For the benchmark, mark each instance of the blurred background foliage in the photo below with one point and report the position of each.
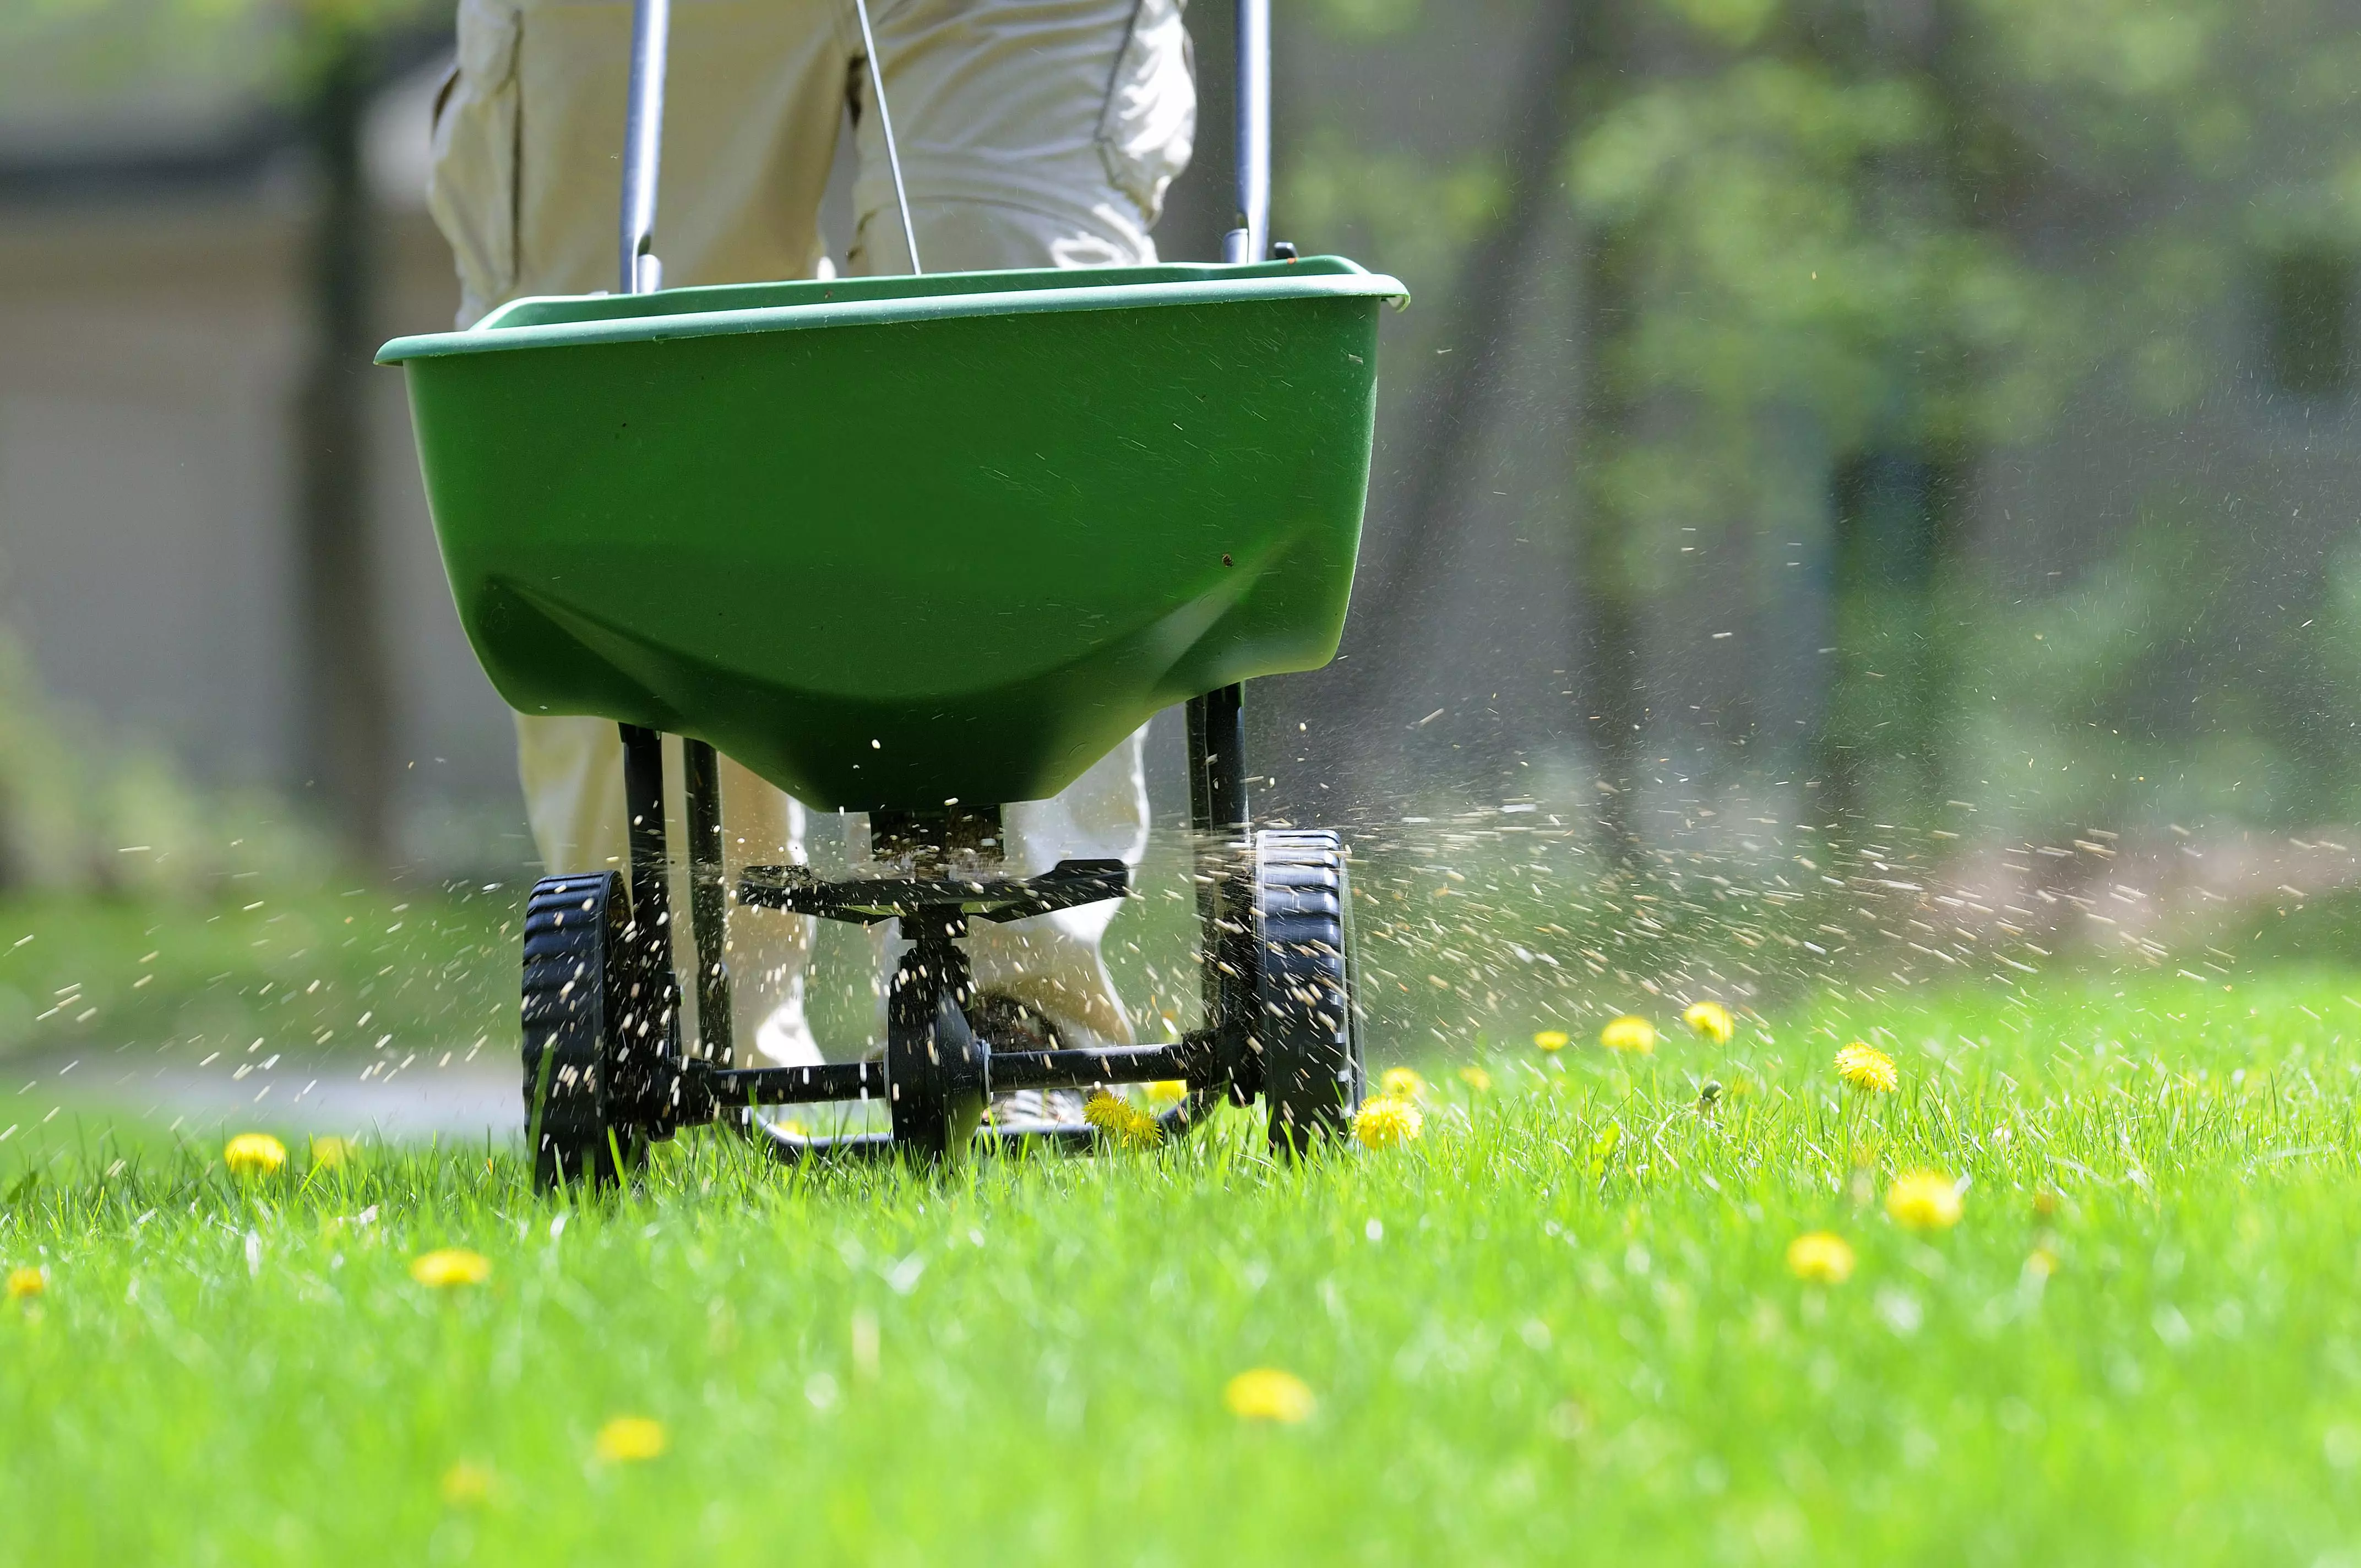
(1840, 267)
(1948, 357)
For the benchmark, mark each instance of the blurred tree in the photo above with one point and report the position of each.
(339, 63)
(1909, 243)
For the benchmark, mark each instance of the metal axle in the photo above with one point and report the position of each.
(1191, 1061)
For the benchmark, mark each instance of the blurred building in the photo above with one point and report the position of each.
(155, 323)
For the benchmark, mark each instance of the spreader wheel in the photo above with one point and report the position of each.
(581, 1093)
(1303, 1025)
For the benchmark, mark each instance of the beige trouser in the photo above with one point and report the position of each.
(1032, 133)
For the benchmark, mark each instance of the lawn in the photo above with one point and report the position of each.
(267, 968)
(1561, 1326)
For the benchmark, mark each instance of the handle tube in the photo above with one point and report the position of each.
(1250, 241)
(640, 272)
(708, 900)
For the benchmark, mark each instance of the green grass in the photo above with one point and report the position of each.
(1560, 1328)
(284, 969)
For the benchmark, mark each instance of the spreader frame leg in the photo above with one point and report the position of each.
(648, 935)
(709, 903)
(1220, 813)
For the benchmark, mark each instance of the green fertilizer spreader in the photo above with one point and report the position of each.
(912, 546)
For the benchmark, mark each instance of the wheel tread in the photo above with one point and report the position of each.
(1312, 1061)
(573, 970)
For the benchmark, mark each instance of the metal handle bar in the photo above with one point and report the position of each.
(640, 272)
(1251, 241)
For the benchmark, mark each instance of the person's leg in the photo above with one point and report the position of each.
(1034, 133)
(527, 174)
(527, 187)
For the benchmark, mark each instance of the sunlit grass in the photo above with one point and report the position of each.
(1563, 1324)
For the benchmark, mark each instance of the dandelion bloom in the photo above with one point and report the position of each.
(1866, 1068)
(255, 1154)
(1477, 1078)
(1120, 1121)
(466, 1483)
(1822, 1257)
(1384, 1121)
(1711, 1020)
(329, 1153)
(1266, 1394)
(1403, 1083)
(1629, 1033)
(24, 1282)
(1924, 1200)
(1550, 1040)
(450, 1266)
(628, 1439)
(1166, 1092)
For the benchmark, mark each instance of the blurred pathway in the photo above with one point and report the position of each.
(436, 1094)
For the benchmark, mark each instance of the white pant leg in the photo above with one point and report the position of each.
(1052, 963)
(1033, 133)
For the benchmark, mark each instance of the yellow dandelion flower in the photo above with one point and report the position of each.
(1266, 1394)
(1711, 1020)
(1867, 1069)
(1822, 1257)
(450, 1266)
(1550, 1040)
(1477, 1078)
(629, 1439)
(1629, 1033)
(329, 1152)
(1165, 1093)
(1924, 1200)
(1120, 1121)
(466, 1483)
(1385, 1121)
(24, 1282)
(254, 1155)
(1403, 1083)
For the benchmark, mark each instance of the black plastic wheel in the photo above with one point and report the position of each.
(580, 1094)
(1303, 1025)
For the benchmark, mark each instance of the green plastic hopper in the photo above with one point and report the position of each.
(893, 540)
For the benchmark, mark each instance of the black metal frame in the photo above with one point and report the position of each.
(694, 1084)
(998, 899)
